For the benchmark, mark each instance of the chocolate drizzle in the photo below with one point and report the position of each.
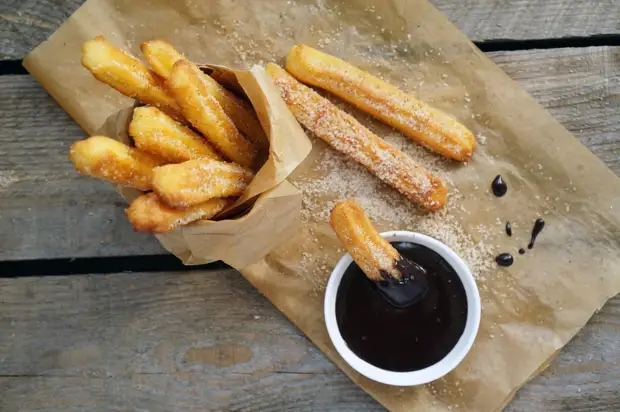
(508, 229)
(498, 186)
(505, 259)
(538, 227)
(409, 289)
(522, 251)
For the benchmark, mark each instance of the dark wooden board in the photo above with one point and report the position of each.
(205, 341)
(47, 210)
(26, 23)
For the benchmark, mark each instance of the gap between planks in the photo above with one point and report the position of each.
(15, 66)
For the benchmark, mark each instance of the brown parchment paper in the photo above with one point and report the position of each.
(531, 309)
(270, 204)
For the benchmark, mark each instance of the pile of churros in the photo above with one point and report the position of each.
(425, 125)
(196, 144)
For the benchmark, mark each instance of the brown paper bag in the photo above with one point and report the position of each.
(269, 205)
(529, 310)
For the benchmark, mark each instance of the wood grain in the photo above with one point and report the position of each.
(210, 341)
(47, 210)
(531, 19)
(159, 342)
(26, 23)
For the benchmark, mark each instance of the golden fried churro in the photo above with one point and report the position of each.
(127, 74)
(196, 181)
(348, 136)
(372, 253)
(203, 111)
(149, 214)
(427, 126)
(155, 132)
(400, 280)
(162, 57)
(110, 160)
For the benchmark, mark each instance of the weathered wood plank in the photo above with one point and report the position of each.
(531, 19)
(585, 375)
(159, 342)
(49, 211)
(26, 23)
(46, 209)
(210, 341)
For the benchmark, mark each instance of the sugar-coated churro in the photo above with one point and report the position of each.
(426, 125)
(111, 160)
(204, 112)
(372, 253)
(127, 74)
(162, 56)
(155, 132)
(148, 213)
(196, 181)
(348, 136)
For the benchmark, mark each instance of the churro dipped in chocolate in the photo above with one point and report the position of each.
(427, 126)
(400, 280)
(348, 136)
(155, 132)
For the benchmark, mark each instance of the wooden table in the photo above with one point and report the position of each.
(164, 338)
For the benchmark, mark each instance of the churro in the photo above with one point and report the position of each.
(196, 181)
(372, 253)
(204, 112)
(349, 137)
(127, 75)
(149, 214)
(155, 132)
(402, 281)
(110, 160)
(427, 126)
(162, 57)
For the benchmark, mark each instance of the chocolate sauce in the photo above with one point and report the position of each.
(522, 251)
(505, 259)
(508, 229)
(409, 289)
(499, 186)
(403, 339)
(538, 227)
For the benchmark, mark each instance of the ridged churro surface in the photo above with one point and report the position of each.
(372, 253)
(348, 136)
(204, 112)
(162, 56)
(155, 132)
(111, 160)
(149, 214)
(196, 181)
(424, 124)
(127, 74)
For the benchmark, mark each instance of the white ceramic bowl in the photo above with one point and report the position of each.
(435, 371)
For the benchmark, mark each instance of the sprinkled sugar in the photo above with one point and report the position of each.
(341, 178)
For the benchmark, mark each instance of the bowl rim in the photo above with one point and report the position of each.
(430, 373)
